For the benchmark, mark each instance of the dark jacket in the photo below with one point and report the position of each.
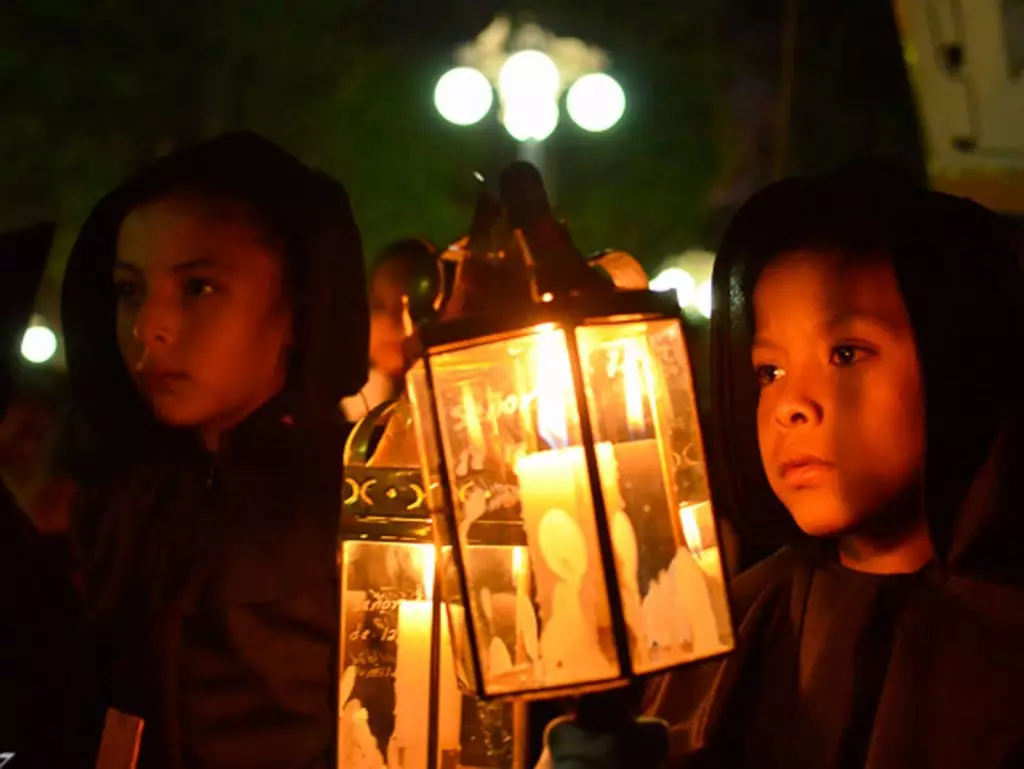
(38, 611)
(211, 583)
(836, 668)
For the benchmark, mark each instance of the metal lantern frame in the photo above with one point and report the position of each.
(568, 313)
(413, 527)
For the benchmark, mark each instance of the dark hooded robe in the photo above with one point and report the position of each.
(837, 668)
(38, 611)
(212, 603)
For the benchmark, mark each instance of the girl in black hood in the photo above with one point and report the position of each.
(214, 316)
(867, 409)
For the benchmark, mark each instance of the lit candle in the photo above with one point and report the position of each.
(708, 558)
(412, 678)
(568, 573)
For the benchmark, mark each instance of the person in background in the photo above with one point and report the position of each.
(409, 267)
(27, 434)
(37, 601)
(214, 316)
(868, 413)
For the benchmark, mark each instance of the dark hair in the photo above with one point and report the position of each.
(409, 254)
(224, 202)
(837, 214)
(416, 266)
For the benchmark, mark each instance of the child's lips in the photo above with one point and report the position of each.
(801, 472)
(160, 380)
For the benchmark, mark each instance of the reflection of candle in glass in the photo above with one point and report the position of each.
(708, 558)
(474, 429)
(412, 676)
(556, 480)
(634, 386)
(524, 625)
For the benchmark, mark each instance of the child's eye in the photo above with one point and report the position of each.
(849, 355)
(126, 291)
(767, 373)
(197, 287)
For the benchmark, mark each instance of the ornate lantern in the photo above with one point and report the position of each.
(558, 432)
(399, 698)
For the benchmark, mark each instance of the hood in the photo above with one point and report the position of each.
(23, 255)
(962, 284)
(323, 254)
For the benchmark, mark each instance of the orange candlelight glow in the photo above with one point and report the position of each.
(691, 530)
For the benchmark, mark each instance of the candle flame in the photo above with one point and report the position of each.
(691, 529)
(518, 562)
(428, 560)
(474, 429)
(634, 386)
(554, 386)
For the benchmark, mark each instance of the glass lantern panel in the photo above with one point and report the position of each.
(451, 593)
(524, 513)
(639, 394)
(385, 683)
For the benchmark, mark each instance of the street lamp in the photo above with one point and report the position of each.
(530, 72)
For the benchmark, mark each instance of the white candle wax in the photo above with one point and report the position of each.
(558, 480)
(412, 685)
(710, 561)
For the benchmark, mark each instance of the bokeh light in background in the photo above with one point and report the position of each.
(463, 96)
(689, 275)
(38, 344)
(529, 75)
(529, 84)
(596, 102)
(679, 280)
(702, 301)
(530, 119)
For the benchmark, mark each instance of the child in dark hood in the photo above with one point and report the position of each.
(406, 268)
(215, 315)
(867, 409)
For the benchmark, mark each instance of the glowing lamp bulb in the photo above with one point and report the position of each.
(463, 96)
(529, 75)
(596, 102)
(38, 344)
(530, 119)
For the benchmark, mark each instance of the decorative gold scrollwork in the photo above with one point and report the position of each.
(363, 492)
(420, 496)
(353, 491)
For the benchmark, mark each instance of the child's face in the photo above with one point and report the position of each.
(202, 322)
(841, 412)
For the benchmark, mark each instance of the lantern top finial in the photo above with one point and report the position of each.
(517, 252)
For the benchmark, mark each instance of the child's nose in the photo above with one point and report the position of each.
(798, 406)
(155, 324)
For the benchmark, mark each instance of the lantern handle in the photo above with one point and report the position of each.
(357, 445)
